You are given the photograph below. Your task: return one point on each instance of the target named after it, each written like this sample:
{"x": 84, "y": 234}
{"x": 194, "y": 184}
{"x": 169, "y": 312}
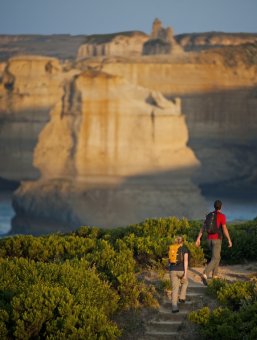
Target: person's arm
{"x": 198, "y": 240}
{"x": 185, "y": 265}
{"x": 226, "y": 233}
{"x": 168, "y": 256}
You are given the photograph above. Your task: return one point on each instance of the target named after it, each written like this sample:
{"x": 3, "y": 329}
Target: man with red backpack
{"x": 215, "y": 226}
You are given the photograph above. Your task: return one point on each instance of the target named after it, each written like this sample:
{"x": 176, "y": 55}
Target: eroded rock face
{"x": 67, "y": 204}
{"x": 112, "y": 154}
{"x": 30, "y": 86}
{"x": 183, "y": 75}
{"x": 111, "y": 127}
{"x": 218, "y": 96}
{"x": 124, "y": 44}
{"x": 161, "y": 41}
{"x": 30, "y": 83}
{"x": 114, "y": 149}
{"x": 198, "y": 41}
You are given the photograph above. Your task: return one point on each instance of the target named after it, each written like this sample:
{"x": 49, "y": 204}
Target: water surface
{"x": 6, "y": 212}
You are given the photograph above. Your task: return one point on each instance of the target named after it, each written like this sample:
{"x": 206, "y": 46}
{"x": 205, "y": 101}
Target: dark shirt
{"x": 180, "y": 266}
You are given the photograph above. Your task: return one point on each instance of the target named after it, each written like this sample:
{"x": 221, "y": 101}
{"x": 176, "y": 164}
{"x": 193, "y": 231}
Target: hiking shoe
{"x": 175, "y": 309}
{"x": 181, "y": 300}
{"x": 204, "y": 279}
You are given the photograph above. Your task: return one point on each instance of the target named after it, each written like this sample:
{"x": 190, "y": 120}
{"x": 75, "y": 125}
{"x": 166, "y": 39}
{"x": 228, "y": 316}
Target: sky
{"x": 109, "y": 16}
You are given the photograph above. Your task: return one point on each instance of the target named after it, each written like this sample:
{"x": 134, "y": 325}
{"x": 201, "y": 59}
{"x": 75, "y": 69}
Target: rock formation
{"x": 126, "y": 44}
{"x": 208, "y": 71}
{"x": 218, "y": 96}
{"x": 121, "y": 153}
{"x": 161, "y": 41}
{"x": 111, "y": 128}
{"x": 29, "y": 87}
{"x": 210, "y": 40}
{"x": 65, "y": 46}
{"x": 111, "y": 147}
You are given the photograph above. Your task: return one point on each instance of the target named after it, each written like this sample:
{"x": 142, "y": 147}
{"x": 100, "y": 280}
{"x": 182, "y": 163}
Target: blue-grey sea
{"x": 6, "y": 212}
{"x": 235, "y": 211}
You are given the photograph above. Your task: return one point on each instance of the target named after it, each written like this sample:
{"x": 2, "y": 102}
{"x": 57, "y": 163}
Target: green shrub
{"x": 233, "y": 295}
{"x": 53, "y": 312}
{"x": 196, "y": 257}
{"x": 89, "y": 232}
{"x": 148, "y": 240}
{"x": 154, "y": 228}
{"x": 237, "y": 319}
{"x": 70, "y": 286}
{"x": 117, "y": 265}
{"x": 200, "y": 317}
{"x": 223, "y": 323}
{"x": 46, "y": 248}
{"x": 214, "y": 286}
{"x": 244, "y": 238}
{"x": 65, "y": 300}
{"x": 4, "y": 320}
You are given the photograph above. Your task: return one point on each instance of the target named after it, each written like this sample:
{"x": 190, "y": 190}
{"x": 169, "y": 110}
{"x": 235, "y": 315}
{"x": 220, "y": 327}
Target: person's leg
{"x": 205, "y": 276}
{"x": 213, "y": 265}
{"x": 217, "y": 250}
{"x": 175, "y": 283}
{"x": 184, "y": 284}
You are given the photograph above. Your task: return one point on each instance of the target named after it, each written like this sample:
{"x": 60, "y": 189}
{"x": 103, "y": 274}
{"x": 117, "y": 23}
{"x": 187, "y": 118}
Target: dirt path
{"x": 228, "y": 272}
{"x": 165, "y": 325}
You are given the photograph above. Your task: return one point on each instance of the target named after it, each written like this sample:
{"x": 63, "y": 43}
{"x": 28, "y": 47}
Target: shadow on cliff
{"x": 222, "y": 129}
{"x": 18, "y": 138}
{"x": 131, "y": 200}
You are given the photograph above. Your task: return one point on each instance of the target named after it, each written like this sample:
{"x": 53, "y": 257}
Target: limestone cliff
{"x": 210, "y": 40}
{"x": 107, "y": 126}
{"x": 112, "y": 154}
{"x": 218, "y": 96}
{"x": 161, "y": 41}
{"x": 29, "y": 87}
{"x": 117, "y": 44}
{"x": 194, "y": 73}
{"x": 116, "y": 141}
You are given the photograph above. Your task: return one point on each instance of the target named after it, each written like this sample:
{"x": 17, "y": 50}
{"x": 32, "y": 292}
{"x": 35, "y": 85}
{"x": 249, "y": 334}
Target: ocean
{"x": 6, "y": 212}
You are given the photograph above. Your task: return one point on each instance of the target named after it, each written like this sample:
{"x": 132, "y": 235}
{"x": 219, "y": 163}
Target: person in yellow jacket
{"x": 178, "y": 267}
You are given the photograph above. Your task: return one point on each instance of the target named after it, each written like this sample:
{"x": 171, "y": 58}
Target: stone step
{"x": 201, "y": 289}
{"x": 183, "y": 310}
{"x": 191, "y": 298}
{"x": 166, "y": 325}
{"x": 165, "y": 314}
{"x": 193, "y": 291}
{"x": 160, "y": 336}
{"x": 163, "y": 326}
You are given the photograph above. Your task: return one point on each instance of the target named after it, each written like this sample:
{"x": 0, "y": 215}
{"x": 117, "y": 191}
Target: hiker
{"x": 178, "y": 266}
{"x": 215, "y": 226}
